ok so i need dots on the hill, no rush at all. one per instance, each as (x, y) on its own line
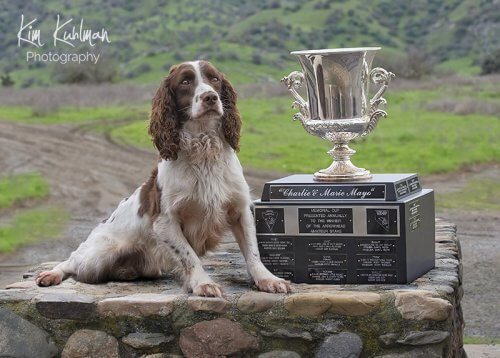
(252, 39)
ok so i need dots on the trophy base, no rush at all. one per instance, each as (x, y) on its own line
(376, 232)
(358, 176)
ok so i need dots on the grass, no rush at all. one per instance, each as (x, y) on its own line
(463, 66)
(69, 115)
(480, 340)
(16, 188)
(31, 226)
(410, 140)
(478, 194)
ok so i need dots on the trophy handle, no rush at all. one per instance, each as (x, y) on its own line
(378, 76)
(293, 82)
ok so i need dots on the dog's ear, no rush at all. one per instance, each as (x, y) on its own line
(231, 120)
(163, 122)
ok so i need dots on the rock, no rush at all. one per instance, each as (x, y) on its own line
(161, 355)
(438, 288)
(279, 354)
(329, 327)
(138, 305)
(254, 301)
(389, 339)
(354, 303)
(146, 340)
(284, 333)
(211, 304)
(423, 338)
(20, 338)
(424, 352)
(89, 343)
(66, 306)
(15, 295)
(421, 305)
(342, 302)
(307, 304)
(219, 337)
(342, 345)
(21, 285)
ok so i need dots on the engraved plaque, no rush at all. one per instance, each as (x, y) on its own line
(376, 276)
(402, 188)
(414, 184)
(382, 221)
(414, 214)
(327, 192)
(336, 261)
(323, 275)
(376, 246)
(277, 259)
(376, 261)
(275, 243)
(270, 220)
(325, 220)
(326, 245)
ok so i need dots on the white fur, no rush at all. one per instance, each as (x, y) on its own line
(204, 195)
(201, 88)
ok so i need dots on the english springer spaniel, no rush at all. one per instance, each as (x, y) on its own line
(195, 195)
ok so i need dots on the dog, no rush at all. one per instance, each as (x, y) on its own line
(196, 194)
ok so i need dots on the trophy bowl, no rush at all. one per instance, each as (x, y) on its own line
(337, 107)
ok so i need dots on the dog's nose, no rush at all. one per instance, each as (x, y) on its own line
(209, 98)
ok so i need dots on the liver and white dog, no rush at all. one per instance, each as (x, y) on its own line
(195, 195)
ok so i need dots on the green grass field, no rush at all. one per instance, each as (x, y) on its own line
(31, 226)
(409, 140)
(71, 114)
(16, 188)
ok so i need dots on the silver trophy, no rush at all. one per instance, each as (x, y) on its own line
(338, 108)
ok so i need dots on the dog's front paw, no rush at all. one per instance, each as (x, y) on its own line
(48, 278)
(210, 289)
(274, 285)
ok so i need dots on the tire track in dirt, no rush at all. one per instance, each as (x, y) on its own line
(88, 173)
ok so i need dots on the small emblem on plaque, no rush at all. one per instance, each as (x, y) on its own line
(270, 220)
(382, 218)
(381, 221)
(270, 217)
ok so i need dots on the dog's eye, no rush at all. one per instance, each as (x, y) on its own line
(185, 82)
(215, 79)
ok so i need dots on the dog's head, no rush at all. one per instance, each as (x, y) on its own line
(197, 95)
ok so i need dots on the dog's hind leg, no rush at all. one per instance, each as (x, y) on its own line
(91, 262)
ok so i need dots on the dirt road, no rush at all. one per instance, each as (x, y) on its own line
(89, 175)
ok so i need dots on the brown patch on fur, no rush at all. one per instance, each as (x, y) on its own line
(231, 120)
(150, 197)
(202, 228)
(163, 124)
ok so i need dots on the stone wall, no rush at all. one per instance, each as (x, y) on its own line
(156, 319)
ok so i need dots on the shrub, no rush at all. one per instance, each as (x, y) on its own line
(102, 71)
(491, 63)
(6, 80)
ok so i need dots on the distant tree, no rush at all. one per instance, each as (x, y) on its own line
(87, 72)
(419, 63)
(6, 80)
(491, 63)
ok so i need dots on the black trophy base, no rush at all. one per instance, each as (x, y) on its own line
(360, 240)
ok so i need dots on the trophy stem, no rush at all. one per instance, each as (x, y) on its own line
(342, 168)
